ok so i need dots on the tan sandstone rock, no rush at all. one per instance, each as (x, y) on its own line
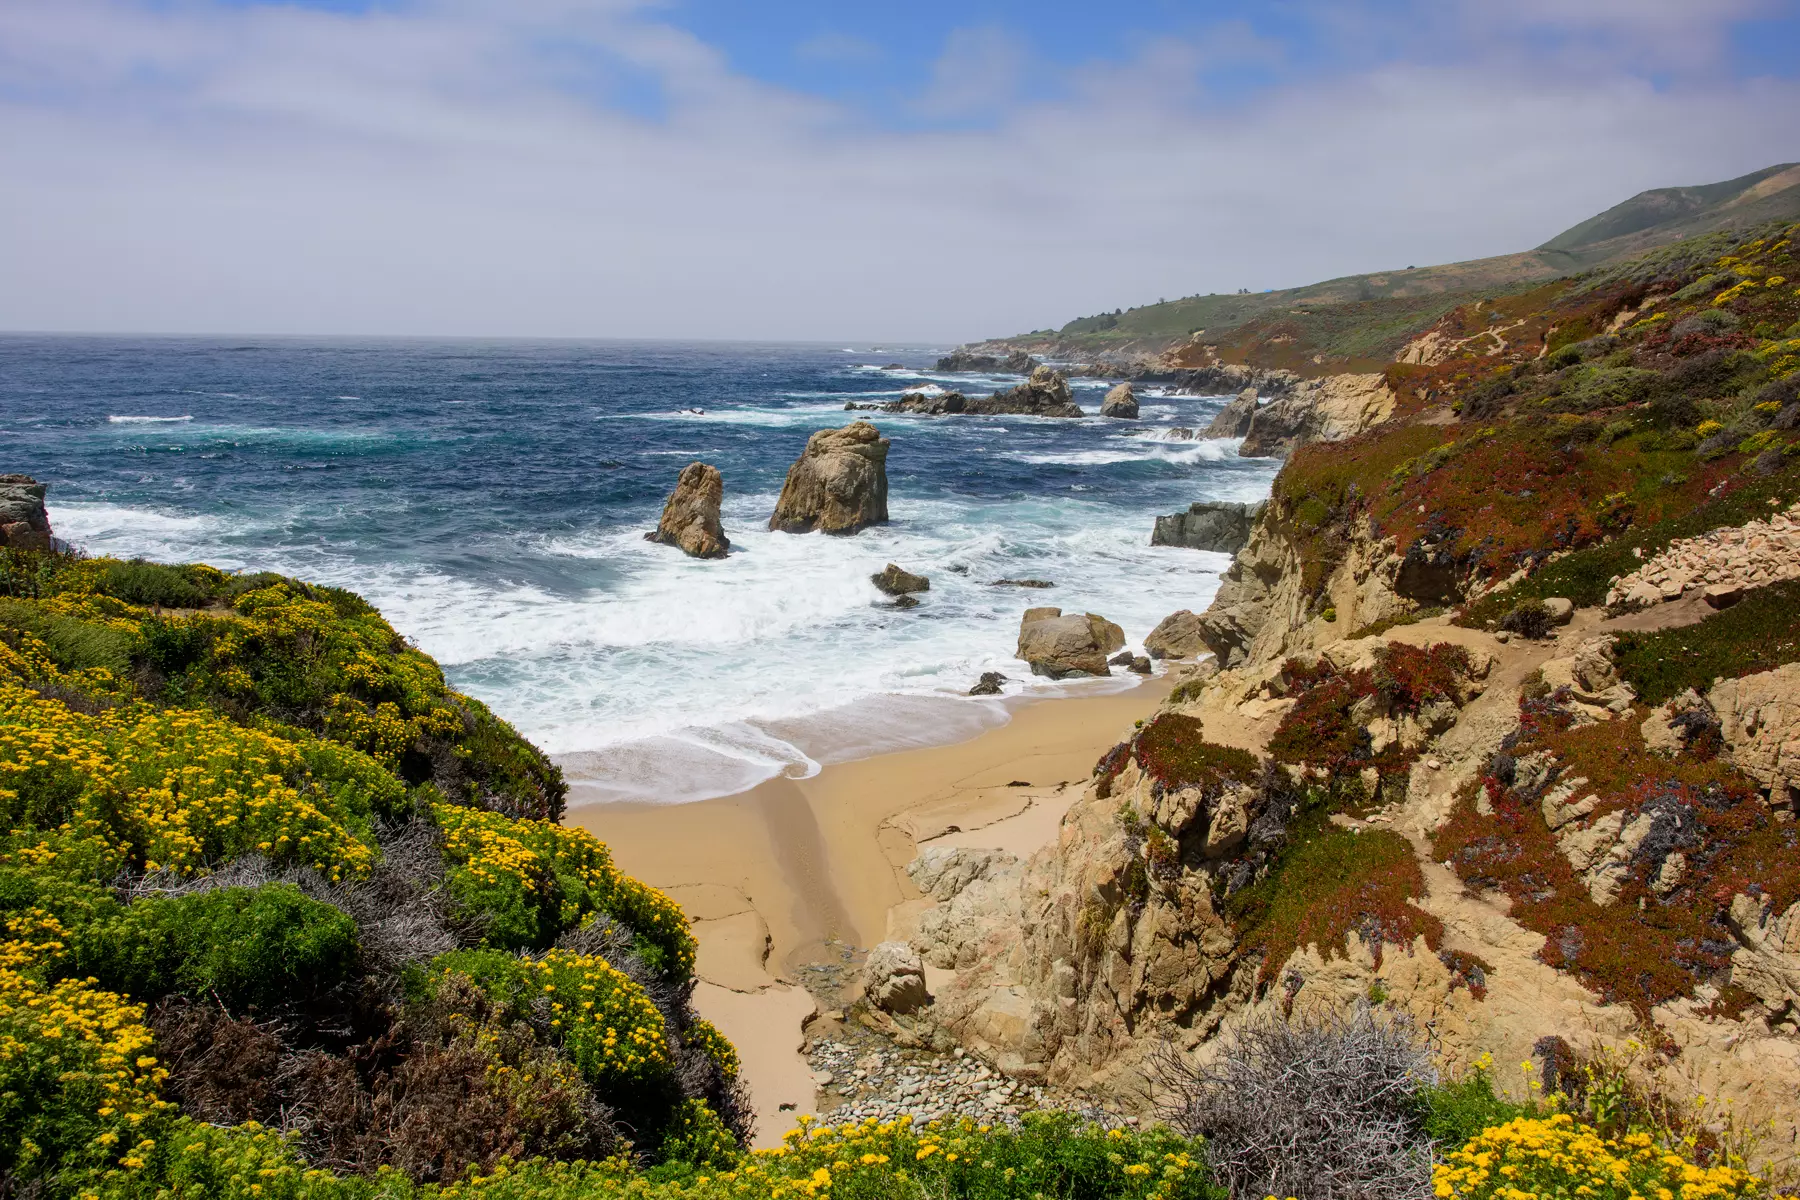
(690, 518)
(1121, 402)
(1176, 636)
(894, 978)
(1058, 646)
(838, 484)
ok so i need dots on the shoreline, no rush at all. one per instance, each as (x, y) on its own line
(797, 873)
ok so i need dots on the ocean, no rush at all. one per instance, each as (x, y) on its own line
(491, 498)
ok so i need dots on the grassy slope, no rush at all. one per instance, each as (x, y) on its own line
(1358, 321)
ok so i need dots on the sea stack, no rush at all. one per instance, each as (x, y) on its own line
(838, 484)
(1120, 403)
(24, 522)
(690, 519)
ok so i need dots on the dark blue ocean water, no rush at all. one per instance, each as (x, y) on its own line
(491, 497)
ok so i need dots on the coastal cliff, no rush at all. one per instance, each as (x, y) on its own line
(1493, 731)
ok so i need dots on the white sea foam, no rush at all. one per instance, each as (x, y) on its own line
(1140, 449)
(673, 679)
(148, 420)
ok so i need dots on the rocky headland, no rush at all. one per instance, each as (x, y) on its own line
(1491, 726)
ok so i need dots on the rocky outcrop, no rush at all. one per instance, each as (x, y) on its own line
(1267, 605)
(1232, 379)
(963, 360)
(24, 521)
(1121, 403)
(1318, 410)
(1176, 636)
(1216, 525)
(1234, 419)
(1723, 561)
(1757, 719)
(894, 978)
(1063, 646)
(838, 484)
(896, 582)
(690, 518)
(1045, 394)
(921, 403)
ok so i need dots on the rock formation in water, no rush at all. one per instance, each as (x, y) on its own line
(1045, 394)
(1062, 646)
(897, 582)
(838, 484)
(1121, 403)
(1217, 525)
(959, 361)
(690, 518)
(24, 522)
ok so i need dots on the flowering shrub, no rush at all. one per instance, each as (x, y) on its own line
(605, 1022)
(533, 880)
(1554, 1156)
(78, 1084)
(173, 789)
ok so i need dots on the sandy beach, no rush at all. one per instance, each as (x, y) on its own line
(796, 872)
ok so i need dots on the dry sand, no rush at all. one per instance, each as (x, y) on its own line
(801, 871)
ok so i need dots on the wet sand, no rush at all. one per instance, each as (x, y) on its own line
(802, 871)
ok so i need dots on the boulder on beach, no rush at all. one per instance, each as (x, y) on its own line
(989, 684)
(1176, 636)
(1062, 646)
(894, 978)
(1216, 525)
(838, 484)
(897, 582)
(24, 521)
(1234, 419)
(1121, 403)
(690, 518)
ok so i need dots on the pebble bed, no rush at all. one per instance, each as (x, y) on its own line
(872, 1078)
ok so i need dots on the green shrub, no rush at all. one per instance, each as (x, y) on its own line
(263, 947)
(73, 644)
(156, 584)
(1760, 632)
(1456, 1111)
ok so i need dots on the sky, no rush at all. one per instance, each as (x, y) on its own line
(925, 171)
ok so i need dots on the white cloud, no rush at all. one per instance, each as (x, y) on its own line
(980, 71)
(436, 170)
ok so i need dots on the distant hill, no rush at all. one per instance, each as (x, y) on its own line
(1361, 319)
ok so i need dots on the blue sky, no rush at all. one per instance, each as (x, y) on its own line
(806, 169)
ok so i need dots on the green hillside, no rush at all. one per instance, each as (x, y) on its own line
(1376, 311)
